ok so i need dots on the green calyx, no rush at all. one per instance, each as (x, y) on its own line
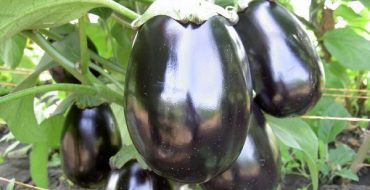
(189, 11)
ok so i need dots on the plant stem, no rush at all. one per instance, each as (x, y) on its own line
(47, 88)
(120, 20)
(109, 94)
(122, 10)
(361, 154)
(54, 54)
(109, 65)
(83, 89)
(51, 35)
(84, 60)
(113, 80)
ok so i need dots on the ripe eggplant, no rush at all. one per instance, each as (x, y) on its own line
(287, 74)
(90, 137)
(187, 97)
(258, 165)
(133, 177)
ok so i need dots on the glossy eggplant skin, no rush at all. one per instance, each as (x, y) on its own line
(90, 137)
(286, 71)
(258, 165)
(133, 177)
(187, 98)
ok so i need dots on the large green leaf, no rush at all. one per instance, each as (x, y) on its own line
(18, 15)
(349, 48)
(21, 120)
(31, 79)
(11, 50)
(347, 173)
(295, 133)
(335, 75)
(53, 127)
(341, 155)
(123, 37)
(329, 129)
(68, 47)
(98, 34)
(38, 164)
(26, 63)
(352, 18)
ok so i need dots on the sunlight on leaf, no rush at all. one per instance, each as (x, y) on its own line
(296, 133)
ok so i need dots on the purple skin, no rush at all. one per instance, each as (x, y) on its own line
(132, 177)
(287, 74)
(90, 137)
(187, 97)
(258, 165)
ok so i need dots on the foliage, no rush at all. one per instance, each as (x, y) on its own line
(309, 147)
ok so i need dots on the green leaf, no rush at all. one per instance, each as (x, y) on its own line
(125, 154)
(324, 168)
(18, 15)
(11, 184)
(350, 49)
(352, 18)
(26, 62)
(68, 47)
(20, 117)
(122, 48)
(33, 77)
(103, 13)
(65, 104)
(347, 173)
(11, 50)
(335, 75)
(98, 34)
(291, 130)
(64, 30)
(38, 164)
(341, 155)
(329, 129)
(120, 116)
(295, 133)
(53, 127)
(346, 12)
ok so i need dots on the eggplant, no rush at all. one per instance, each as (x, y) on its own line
(89, 138)
(258, 165)
(287, 73)
(187, 97)
(132, 177)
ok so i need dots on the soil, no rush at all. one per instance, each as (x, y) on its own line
(18, 168)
